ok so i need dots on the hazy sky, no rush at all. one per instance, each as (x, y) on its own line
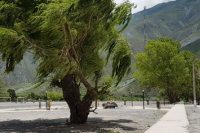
(141, 3)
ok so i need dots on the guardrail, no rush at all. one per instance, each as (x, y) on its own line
(8, 98)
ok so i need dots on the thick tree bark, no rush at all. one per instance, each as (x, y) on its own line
(79, 109)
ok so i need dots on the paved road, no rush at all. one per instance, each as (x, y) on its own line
(175, 121)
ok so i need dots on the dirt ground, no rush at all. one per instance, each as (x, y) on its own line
(194, 118)
(124, 119)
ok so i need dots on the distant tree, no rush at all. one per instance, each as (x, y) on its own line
(165, 67)
(186, 92)
(55, 96)
(69, 39)
(12, 94)
(33, 96)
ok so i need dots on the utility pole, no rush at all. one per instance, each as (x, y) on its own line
(46, 100)
(143, 98)
(131, 98)
(144, 26)
(194, 84)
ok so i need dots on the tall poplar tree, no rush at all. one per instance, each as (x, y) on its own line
(165, 67)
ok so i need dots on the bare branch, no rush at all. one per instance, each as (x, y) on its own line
(85, 82)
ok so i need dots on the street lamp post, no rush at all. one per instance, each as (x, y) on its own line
(143, 98)
(132, 99)
(39, 103)
(46, 100)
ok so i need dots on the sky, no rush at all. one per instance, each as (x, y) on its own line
(141, 3)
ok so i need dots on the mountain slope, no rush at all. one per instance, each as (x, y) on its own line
(178, 19)
(194, 47)
(24, 72)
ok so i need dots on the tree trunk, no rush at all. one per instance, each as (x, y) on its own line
(79, 110)
(172, 96)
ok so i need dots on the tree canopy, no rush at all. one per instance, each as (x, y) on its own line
(71, 40)
(165, 67)
(70, 33)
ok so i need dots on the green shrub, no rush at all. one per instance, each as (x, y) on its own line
(34, 96)
(55, 96)
(12, 94)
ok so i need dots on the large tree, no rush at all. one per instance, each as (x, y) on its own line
(69, 39)
(165, 67)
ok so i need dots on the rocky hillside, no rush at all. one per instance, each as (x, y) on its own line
(178, 19)
(24, 72)
(193, 47)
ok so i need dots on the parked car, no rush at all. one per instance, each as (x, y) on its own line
(109, 105)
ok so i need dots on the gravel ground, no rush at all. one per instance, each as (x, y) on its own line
(19, 105)
(194, 118)
(124, 119)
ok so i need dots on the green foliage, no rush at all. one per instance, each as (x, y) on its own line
(3, 92)
(107, 131)
(121, 59)
(10, 39)
(2, 84)
(55, 96)
(52, 95)
(103, 91)
(12, 94)
(163, 66)
(8, 14)
(33, 96)
(66, 36)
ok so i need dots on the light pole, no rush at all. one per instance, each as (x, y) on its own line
(39, 103)
(194, 84)
(132, 99)
(145, 39)
(143, 98)
(46, 100)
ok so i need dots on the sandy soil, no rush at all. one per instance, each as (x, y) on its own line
(122, 119)
(194, 118)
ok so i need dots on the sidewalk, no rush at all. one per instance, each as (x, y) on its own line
(175, 121)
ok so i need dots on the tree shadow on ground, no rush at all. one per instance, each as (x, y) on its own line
(97, 125)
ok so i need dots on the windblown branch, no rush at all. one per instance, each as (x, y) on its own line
(66, 30)
(85, 82)
(32, 45)
(80, 74)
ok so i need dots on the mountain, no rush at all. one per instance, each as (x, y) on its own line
(178, 19)
(24, 72)
(194, 47)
